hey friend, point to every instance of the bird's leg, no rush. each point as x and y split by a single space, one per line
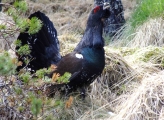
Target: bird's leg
82 92
67 90
98 79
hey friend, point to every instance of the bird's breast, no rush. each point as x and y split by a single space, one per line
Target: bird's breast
94 57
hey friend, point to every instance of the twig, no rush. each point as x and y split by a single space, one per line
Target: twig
5 4
7 21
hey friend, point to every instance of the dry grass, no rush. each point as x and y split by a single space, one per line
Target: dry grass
6 41
67 16
128 7
131 86
68 42
150 33
115 81
128 91
136 95
146 102
142 98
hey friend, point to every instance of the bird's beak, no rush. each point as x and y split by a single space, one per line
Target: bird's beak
106 5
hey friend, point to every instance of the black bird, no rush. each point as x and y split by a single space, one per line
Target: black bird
85 63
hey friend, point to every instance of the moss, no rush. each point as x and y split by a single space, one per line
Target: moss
18 90
127 51
21 108
150 53
49 117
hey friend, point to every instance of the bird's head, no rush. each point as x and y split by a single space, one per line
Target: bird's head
99 13
93 33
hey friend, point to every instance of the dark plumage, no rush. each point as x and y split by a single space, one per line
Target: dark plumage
85 63
44 45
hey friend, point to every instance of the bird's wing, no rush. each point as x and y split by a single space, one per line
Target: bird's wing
44 45
71 63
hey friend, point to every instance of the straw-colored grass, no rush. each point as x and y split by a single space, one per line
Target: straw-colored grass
144 27
146 102
67 16
131 86
150 33
6 41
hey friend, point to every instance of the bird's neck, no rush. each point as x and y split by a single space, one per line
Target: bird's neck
94 57
92 37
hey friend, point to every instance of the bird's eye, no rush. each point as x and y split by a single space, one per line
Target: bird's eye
96 9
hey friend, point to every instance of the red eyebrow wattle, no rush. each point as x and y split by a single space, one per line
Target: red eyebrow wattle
96 9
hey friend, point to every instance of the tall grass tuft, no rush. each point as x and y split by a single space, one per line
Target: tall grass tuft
145 10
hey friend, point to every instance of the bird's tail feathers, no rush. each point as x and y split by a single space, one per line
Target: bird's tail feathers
44 45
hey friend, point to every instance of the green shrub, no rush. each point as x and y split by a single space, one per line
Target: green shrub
41 73
36 105
25 77
21 6
22 23
7 66
34 25
24 50
64 78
